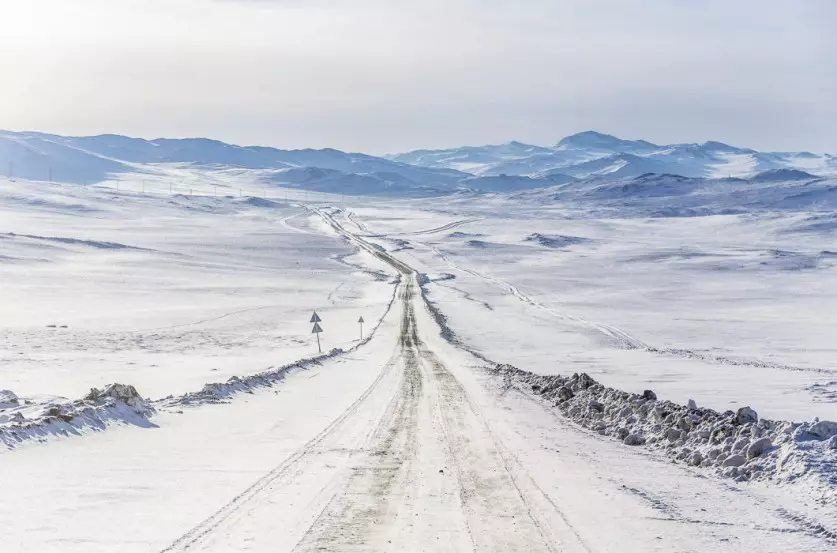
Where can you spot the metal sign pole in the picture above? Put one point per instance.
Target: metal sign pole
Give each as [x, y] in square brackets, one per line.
[317, 329]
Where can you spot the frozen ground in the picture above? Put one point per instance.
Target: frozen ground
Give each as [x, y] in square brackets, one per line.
[409, 441]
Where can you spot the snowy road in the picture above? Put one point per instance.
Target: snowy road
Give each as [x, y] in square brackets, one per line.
[411, 463]
[424, 462]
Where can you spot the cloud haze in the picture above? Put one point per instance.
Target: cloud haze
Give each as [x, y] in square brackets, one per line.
[385, 76]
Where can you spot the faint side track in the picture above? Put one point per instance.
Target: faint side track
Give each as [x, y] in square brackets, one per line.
[623, 339]
[299, 457]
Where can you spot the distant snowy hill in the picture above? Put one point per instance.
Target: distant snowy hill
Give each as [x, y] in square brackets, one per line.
[588, 157]
[507, 183]
[595, 154]
[37, 156]
[669, 195]
[374, 183]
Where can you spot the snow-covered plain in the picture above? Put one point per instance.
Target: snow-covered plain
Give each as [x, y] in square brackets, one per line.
[411, 440]
[726, 310]
[166, 293]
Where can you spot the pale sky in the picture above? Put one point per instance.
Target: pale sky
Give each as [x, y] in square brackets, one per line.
[392, 75]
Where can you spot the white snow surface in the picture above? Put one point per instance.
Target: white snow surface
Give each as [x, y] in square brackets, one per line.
[167, 293]
[227, 431]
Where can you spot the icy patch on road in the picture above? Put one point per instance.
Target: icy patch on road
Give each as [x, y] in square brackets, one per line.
[736, 445]
[23, 420]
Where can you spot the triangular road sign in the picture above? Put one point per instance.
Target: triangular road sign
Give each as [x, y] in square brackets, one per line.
[317, 329]
[315, 318]
[361, 321]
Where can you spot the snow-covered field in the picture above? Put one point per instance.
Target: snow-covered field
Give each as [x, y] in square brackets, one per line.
[726, 310]
[414, 439]
[167, 293]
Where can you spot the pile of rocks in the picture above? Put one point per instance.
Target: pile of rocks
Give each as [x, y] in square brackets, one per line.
[739, 445]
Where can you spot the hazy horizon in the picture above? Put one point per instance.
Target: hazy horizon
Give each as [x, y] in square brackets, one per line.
[386, 77]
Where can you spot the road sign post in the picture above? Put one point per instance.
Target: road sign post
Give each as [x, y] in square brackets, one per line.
[361, 321]
[317, 329]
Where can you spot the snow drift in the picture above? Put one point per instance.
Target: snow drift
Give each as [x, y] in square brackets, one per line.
[23, 420]
[737, 445]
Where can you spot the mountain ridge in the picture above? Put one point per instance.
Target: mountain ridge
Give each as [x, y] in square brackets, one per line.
[506, 167]
[711, 159]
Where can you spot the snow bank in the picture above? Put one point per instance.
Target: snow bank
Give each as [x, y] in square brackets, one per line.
[22, 420]
[737, 445]
[221, 392]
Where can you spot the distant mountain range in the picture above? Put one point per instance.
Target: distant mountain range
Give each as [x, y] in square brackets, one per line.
[666, 195]
[588, 156]
[90, 159]
[593, 154]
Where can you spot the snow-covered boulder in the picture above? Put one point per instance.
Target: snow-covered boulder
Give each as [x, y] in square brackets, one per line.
[758, 447]
[8, 399]
[746, 415]
[823, 430]
[565, 393]
[741, 444]
[634, 439]
[734, 461]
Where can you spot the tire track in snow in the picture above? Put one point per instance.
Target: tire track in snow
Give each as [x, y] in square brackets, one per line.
[451, 404]
[383, 484]
[192, 539]
[497, 509]
[625, 340]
